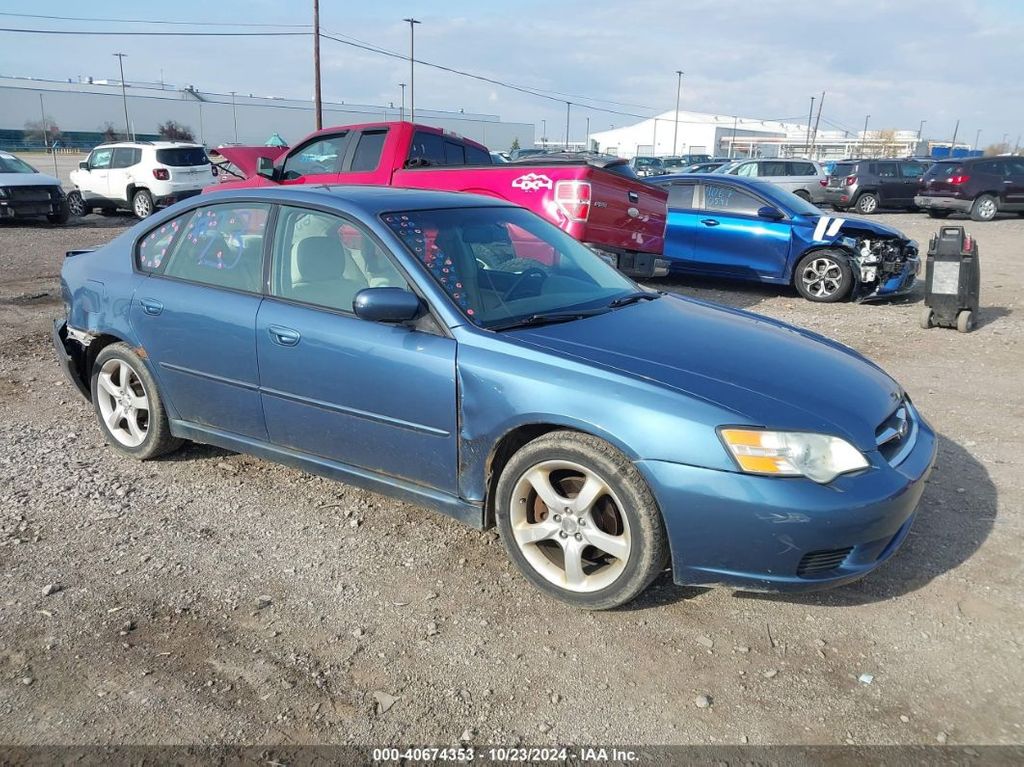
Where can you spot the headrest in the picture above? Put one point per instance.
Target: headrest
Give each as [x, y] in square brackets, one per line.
[319, 259]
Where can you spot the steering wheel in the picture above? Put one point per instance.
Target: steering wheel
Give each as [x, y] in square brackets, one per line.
[532, 273]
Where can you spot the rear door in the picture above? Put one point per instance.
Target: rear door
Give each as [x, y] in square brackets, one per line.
[890, 184]
[120, 174]
[731, 239]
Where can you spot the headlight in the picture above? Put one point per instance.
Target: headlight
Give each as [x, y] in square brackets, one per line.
[3, 192]
[818, 457]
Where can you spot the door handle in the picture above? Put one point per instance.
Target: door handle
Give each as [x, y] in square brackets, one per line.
[283, 336]
[709, 221]
[151, 306]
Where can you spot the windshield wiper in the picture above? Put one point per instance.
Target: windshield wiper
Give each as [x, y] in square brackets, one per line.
[632, 298]
[546, 318]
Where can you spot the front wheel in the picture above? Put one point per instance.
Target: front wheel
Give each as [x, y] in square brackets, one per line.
[823, 276]
[579, 521]
[128, 406]
[142, 203]
[61, 216]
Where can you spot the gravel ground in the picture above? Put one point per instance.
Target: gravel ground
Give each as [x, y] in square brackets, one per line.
[213, 597]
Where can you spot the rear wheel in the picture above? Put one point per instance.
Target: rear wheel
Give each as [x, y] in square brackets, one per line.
[823, 276]
[76, 205]
[984, 208]
[939, 213]
[579, 521]
[965, 321]
[867, 203]
[142, 203]
[128, 406]
[927, 318]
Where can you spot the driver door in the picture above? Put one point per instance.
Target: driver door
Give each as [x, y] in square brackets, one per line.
[96, 186]
[318, 161]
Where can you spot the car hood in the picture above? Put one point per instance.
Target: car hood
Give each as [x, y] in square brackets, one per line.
[764, 371]
[828, 227]
[27, 179]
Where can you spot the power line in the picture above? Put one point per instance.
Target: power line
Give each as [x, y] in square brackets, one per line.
[107, 33]
[153, 21]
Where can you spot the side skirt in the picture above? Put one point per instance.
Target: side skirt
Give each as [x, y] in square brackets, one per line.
[469, 513]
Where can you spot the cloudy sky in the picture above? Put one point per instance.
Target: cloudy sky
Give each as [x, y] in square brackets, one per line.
[901, 61]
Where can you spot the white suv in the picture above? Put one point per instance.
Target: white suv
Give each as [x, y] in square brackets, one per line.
[140, 176]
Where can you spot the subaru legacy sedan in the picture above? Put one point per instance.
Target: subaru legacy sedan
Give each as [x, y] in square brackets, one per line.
[461, 353]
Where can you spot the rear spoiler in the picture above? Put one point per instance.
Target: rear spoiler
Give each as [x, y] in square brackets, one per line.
[78, 252]
[246, 158]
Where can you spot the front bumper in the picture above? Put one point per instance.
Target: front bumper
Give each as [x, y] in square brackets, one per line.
[927, 202]
[34, 209]
[776, 534]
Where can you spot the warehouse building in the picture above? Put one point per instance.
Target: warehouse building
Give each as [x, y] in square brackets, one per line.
[83, 111]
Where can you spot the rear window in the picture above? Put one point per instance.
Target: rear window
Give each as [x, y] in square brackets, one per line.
[942, 170]
[182, 157]
[844, 169]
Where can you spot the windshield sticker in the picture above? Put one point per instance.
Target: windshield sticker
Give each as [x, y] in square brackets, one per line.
[531, 182]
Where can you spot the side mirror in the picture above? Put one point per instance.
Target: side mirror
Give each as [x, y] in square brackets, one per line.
[387, 305]
[770, 212]
[265, 168]
[83, 165]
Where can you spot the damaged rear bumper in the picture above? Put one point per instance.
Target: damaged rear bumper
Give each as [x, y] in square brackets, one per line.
[70, 357]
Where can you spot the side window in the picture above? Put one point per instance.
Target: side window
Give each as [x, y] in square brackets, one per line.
[887, 170]
[123, 157]
[151, 251]
[747, 169]
[477, 156]
[802, 169]
[368, 150]
[320, 156]
[221, 246]
[1015, 166]
[426, 149]
[100, 159]
[911, 169]
[726, 199]
[774, 168]
[325, 260]
[454, 153]
[680, 196]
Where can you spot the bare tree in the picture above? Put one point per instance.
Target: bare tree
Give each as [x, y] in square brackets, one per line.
[110, 133]
[172, 131]
[996, 149]
[44, 131]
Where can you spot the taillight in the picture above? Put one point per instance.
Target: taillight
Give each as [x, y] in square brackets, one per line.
[851, 180]
[823, 182]
[573, 199]
[161, 174]
[959, 178]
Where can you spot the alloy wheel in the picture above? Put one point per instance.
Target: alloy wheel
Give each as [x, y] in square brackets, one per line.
[76, 205]
[987, 209]
[143, 206]
[569, 525]
[867, 204]
[822, 277]
[123, 403]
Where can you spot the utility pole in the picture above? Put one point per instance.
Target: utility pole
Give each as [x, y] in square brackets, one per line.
[401, 114]
[732, 143]
[318, 106]
[46, 135]
[124, 96]
[817, 120]
[234, 115]
[587, 148]
[654, 141]
[544, 133]
[675, 132]
[567, 105]
[977, 137]
[952, 143]
[810, 116]
[412, 66]
[864, 135]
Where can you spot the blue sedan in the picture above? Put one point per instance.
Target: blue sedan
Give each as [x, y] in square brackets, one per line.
[726, 226]
[460, 353]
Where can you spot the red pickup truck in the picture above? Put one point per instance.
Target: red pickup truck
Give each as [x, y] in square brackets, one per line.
[621, 218]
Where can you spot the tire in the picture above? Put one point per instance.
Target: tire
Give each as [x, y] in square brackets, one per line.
[965, 321]
[867, 204]
[984, 208]
[128, 406]
[76, 205]
[142, 203]
[619, 512]
[61, 217]
[939, 213]
[927, 318]
[823, 276]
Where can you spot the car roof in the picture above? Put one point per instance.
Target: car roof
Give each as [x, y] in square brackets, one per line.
[154, 144]
[367, 199]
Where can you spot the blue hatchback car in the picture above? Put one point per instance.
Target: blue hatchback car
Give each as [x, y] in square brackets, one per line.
[461, 353]
[727, 226]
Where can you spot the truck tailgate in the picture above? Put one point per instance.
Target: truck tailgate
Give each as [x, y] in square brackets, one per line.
[625, 213]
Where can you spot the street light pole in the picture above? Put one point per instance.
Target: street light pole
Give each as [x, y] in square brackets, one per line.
[587, 148]
[544, 133]
[234, 115]
[318, 108]
[952, 144]
[977, 136]
[679, 87]
[810, 116]
[124, 96]
[864, 135]
[402, 113]
[412, 66]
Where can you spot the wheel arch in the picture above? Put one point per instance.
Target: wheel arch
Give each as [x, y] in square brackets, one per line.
[85, 357]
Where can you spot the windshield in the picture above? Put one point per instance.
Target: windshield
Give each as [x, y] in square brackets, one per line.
[11, 164]
[643, 162]
[182, 157]
[500, 265]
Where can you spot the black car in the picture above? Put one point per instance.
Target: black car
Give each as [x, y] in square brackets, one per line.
[867, 185]
[980, 186]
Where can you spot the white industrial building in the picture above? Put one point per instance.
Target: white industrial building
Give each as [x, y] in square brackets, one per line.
[86, 108]
[732, 136]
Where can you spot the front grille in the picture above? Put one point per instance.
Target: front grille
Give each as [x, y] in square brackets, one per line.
[896, 434]
[32, 193]
[816, 562]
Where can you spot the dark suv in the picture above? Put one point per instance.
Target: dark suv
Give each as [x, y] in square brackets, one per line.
[867, 185]
[981, 186]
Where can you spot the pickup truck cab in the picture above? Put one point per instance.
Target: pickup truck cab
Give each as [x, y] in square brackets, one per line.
[617, 216]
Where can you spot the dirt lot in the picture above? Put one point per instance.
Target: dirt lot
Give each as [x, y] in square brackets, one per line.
[213, 597]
